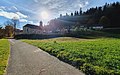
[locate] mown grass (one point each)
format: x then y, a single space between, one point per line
93 57
4 53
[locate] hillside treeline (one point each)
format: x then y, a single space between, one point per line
107 16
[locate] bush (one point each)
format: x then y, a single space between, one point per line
77 62
89 69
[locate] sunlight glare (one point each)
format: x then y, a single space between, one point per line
44 15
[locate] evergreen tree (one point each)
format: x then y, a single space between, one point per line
114 4
77 13
67 14
100 8
80 11
105 7
60 15
71 14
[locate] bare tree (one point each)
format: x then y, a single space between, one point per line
13 22
9 31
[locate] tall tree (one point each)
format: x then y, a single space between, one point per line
71 14
60 15
80 11
105 7
100 9
77 13
67 14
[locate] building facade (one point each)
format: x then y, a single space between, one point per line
33 29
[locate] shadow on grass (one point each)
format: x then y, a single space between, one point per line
79 34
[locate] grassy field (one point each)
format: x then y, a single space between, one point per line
4 53
92 56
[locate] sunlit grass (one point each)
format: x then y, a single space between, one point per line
4 53
96 56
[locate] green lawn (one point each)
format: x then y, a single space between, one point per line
92 56
4 53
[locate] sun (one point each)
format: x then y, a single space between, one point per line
44 15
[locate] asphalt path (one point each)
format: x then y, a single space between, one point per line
26 59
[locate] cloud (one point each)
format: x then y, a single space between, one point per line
31 22
8 15
21 15
53 7
83 4
57 6
14 7
86 3
11 15
36 1
2 7
11 8
23 20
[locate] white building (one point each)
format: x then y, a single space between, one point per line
33 29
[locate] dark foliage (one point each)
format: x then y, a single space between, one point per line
111 12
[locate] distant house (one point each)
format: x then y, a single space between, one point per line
33 29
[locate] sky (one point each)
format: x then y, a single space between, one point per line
34 11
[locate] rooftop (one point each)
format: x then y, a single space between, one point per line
32 26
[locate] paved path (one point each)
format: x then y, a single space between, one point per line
26 59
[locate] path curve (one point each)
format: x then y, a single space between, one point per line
26 59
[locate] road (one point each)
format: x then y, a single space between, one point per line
26 59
